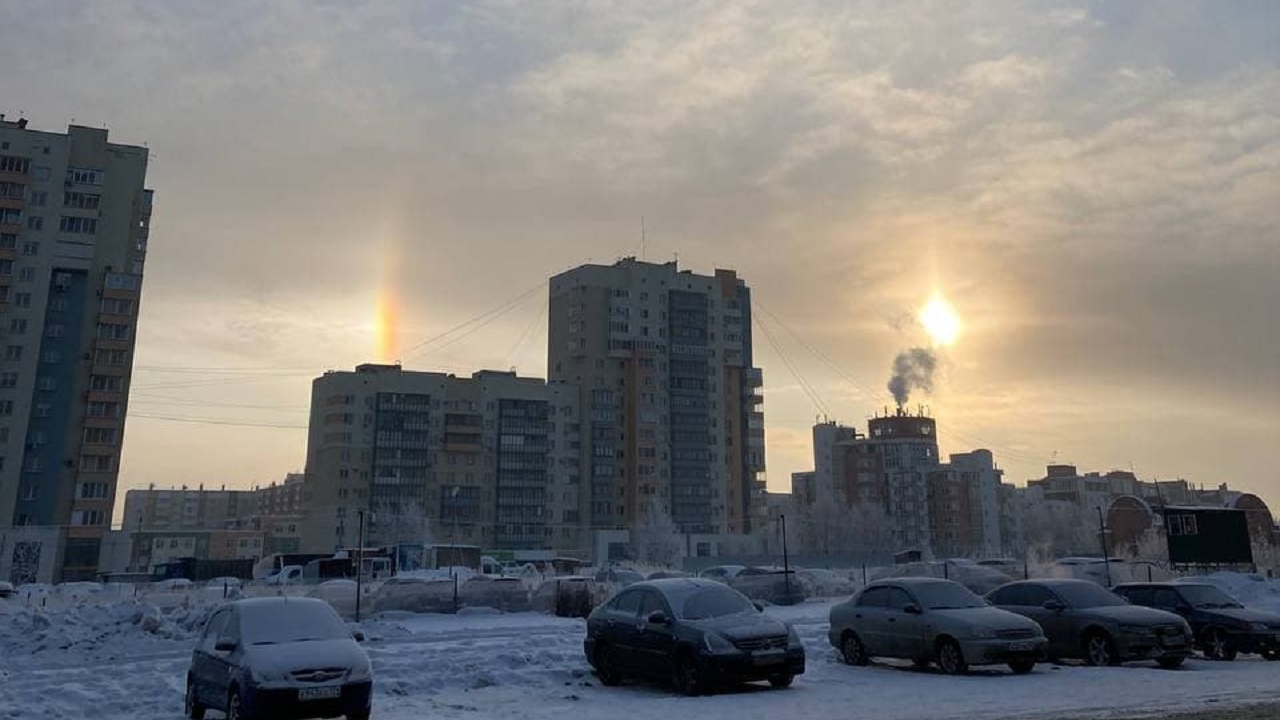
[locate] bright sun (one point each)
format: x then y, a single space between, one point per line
940 320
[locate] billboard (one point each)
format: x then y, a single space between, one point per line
1208 536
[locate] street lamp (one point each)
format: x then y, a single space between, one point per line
786 562
1102 535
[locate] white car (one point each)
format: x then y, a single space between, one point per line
6 590
287 575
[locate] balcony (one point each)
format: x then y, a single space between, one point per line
753 377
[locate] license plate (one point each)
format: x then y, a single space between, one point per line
1020 647
771 657
328 692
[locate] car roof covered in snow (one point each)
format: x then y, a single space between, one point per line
910 581
678 587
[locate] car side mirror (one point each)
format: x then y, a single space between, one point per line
225 645
1054 606
758 605
658 617
913 610
357 635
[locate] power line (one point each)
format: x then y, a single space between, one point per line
808 390
483 318
865 390
542 312
208 421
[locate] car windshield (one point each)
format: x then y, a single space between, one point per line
1207 596
285 622
1087 595
714 603
947 596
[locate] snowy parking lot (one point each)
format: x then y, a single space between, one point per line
78 665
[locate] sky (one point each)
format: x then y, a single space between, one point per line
1092 186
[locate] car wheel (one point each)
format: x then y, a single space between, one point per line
607 666
1216 646
1099 650
1022 667
1171 663
688 676
362 715
854 652
782 681
195 710
951 658
235 710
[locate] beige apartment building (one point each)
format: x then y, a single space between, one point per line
671 402
74 223
490 460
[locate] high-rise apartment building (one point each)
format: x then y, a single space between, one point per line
490 460
74 217
671 403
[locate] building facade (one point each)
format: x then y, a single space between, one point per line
74 224
491 460
184 508
671 402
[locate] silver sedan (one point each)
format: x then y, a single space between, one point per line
932 620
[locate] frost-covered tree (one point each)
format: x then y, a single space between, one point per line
656 539
830 527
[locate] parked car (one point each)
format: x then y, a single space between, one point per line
929 620
414 594
621 576
697 634
977 578
6 590
771 585
499 593
666 575
1105 573
1083 620
1009 566
570 596
279 657
340 594
723 573
287 575
1223 627
825 583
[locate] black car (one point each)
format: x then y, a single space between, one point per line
276 658
1223 626
1083 620
695 634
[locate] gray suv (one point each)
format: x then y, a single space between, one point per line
931 620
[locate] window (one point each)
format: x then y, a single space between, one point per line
11 164
92 491
13 353
87 517
22 300
39 199
6 408
81 201
8 379
18 326
110 357
124 306
113 331
10 216
51 357
12 190
101 409
26 274
55 330
106 383
121 281
84 176
8 241
47 384
42 410
31 248
35 222
97 463
874 597
78 225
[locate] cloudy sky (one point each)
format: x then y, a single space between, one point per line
1095 187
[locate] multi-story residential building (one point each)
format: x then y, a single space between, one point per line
491 460
950 508
185 508
281 499
671 403
74 221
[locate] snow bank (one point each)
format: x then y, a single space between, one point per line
96 632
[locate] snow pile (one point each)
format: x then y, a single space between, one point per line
96 632
1251 590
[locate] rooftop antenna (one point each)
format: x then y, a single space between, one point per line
642 238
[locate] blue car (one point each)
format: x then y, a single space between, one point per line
279 658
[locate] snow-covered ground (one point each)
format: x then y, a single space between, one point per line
123 660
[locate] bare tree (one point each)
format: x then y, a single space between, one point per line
656 538
829 527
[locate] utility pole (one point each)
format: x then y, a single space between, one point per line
453 545
786 561
359 559
1102 535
